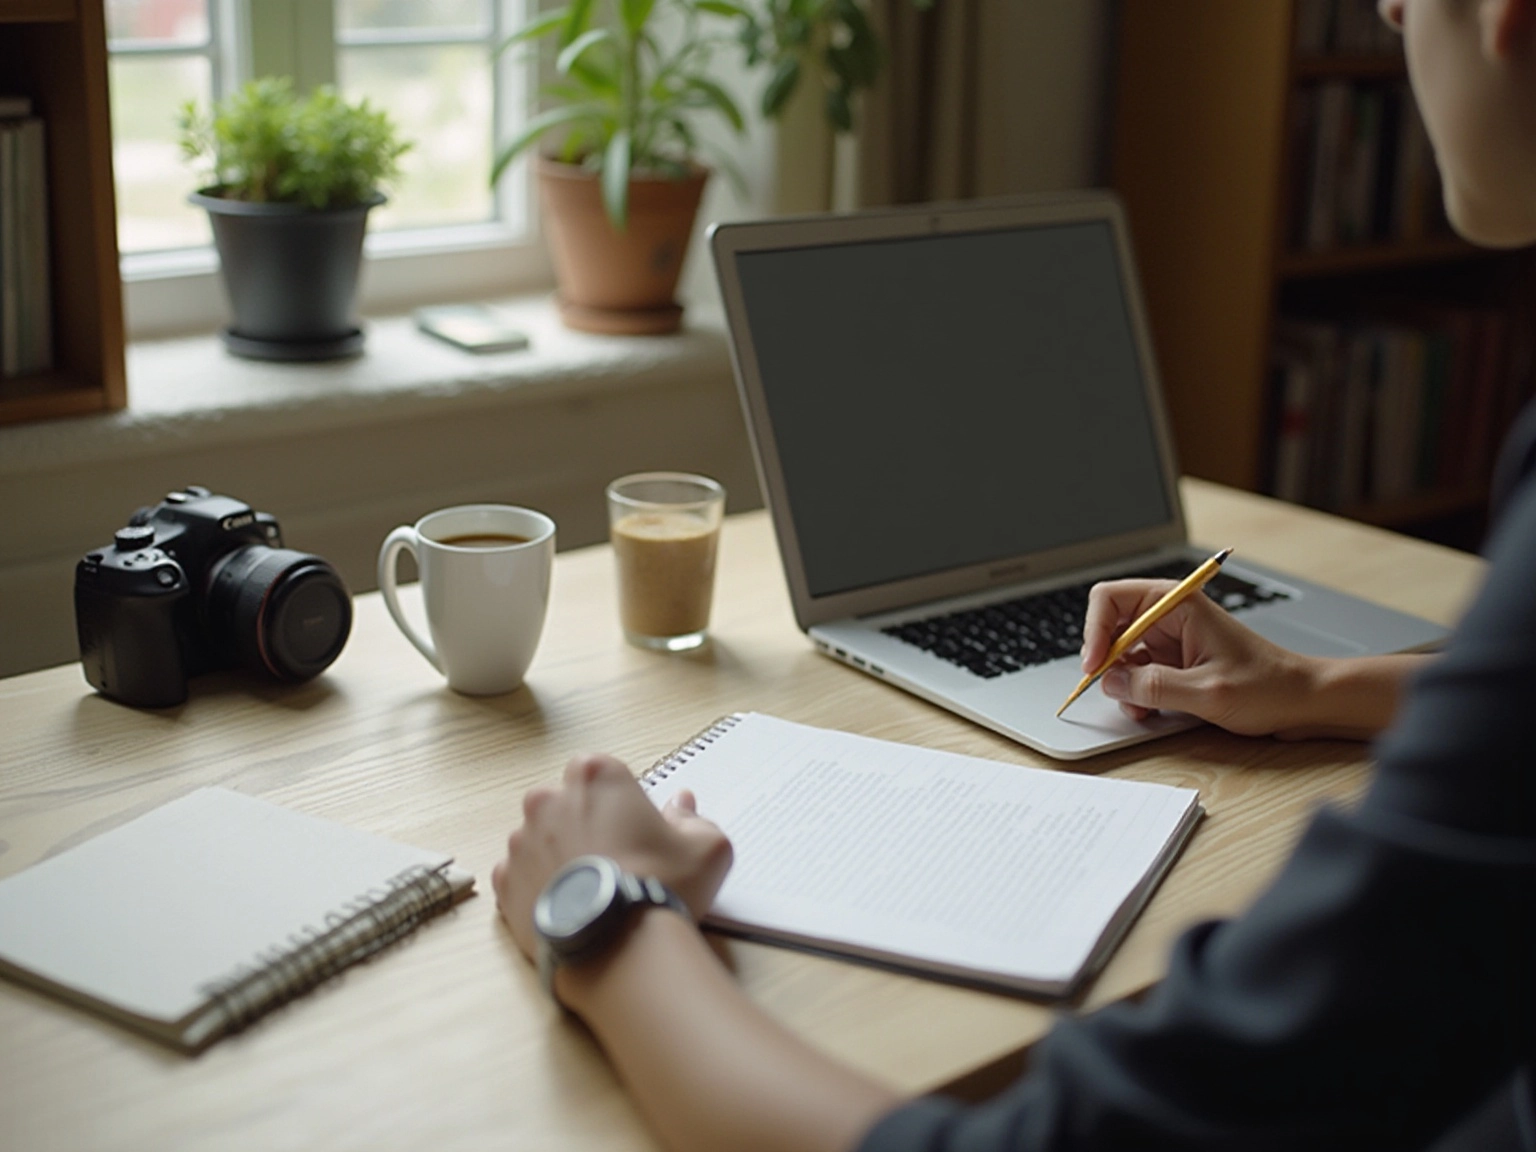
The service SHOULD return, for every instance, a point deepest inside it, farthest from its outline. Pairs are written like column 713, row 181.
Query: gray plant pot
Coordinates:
column 291, row 276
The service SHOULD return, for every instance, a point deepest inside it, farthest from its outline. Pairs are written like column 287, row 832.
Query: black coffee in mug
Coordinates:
column 483, row 540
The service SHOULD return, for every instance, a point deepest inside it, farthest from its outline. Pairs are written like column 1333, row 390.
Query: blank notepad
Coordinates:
column 976, row 870
column 199, row 916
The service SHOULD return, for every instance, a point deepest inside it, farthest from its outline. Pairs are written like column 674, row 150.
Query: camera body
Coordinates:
column 201, row 582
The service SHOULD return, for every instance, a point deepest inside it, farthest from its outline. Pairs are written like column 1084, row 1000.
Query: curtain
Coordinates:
column 977, row 98
column 921, row 130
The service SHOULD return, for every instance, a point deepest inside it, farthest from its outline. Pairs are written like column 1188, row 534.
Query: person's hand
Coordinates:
column 600, row 809
column 1196, row 659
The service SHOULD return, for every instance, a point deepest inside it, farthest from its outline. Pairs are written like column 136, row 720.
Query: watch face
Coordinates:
column 579, row 905
column 573, row 900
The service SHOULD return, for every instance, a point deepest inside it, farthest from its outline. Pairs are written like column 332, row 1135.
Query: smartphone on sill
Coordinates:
column 472, row 327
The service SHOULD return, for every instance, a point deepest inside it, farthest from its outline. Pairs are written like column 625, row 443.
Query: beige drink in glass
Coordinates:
column 665, row 527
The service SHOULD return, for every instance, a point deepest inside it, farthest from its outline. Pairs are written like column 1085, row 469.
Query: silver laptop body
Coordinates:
column 954, row 407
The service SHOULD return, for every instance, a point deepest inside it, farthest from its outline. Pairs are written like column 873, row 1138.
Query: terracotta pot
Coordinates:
column 610, row 281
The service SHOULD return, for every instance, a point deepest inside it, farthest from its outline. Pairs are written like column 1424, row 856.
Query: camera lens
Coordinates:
column 273, row 608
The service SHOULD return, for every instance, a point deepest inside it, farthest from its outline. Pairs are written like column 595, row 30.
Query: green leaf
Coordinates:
column 780, row 85
column 855, row 68
column 566, row 92
column 718, row 98
column 572, row 51
column 540, row 27
column 536, row 128
column 577, row 17
column 749, row 36
column 635, row 13
column 839, row 111
column 684, row 132
column 616, row 179
column 580, row 142
column 599, row 77
column 264, row 143
column 723, row 8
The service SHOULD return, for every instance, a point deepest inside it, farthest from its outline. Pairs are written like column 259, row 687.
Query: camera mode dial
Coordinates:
column 134, row 537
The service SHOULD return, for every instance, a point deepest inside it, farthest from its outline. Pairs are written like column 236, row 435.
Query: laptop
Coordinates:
column 959, row 428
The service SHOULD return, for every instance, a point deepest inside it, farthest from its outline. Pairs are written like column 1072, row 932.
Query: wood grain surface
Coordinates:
column 446, row 1041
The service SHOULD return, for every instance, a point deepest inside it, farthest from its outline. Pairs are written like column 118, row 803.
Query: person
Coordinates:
column 1377, row 995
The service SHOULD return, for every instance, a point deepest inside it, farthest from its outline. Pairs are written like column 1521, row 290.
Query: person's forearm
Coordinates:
column 709, row 1069
column 1354, row 697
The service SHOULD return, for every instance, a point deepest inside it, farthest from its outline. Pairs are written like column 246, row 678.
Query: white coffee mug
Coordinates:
column 485, row 571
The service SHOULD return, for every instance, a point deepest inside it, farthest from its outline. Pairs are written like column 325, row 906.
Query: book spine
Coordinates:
column 36, row 301
column 10, row 261
column 1329, row 133
column 1354, row 424
column 366, row 926
column 1414, row 159
column 685, row 752
column 1312, row 27
column 1293, row 440
column 1438, row 352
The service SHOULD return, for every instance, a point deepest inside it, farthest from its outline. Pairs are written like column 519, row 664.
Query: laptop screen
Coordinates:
column 942, row 401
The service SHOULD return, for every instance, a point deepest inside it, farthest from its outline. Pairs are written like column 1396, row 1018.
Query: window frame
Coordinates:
column 176, row 292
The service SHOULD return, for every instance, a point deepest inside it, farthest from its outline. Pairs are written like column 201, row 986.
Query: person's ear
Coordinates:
column 1508, row 27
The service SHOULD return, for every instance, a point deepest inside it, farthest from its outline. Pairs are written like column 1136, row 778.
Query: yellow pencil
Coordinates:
column 1186, row 588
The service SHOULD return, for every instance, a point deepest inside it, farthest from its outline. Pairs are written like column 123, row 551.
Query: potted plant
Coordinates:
column 619, row 172
column 292, row 180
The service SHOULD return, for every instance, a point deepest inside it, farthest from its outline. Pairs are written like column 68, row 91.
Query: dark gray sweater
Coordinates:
column 1380, row 993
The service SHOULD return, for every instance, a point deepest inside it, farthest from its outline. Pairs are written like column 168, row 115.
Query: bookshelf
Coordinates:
column 55, row 52
column 1216, row 145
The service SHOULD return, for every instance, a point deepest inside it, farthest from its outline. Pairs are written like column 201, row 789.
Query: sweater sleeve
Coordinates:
column 1377, row 993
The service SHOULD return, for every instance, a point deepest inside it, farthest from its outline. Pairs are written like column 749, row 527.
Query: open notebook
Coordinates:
column 987, row 873
column 196, row 918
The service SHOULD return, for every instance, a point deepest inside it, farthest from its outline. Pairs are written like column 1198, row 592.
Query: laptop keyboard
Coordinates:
column 1046, row 626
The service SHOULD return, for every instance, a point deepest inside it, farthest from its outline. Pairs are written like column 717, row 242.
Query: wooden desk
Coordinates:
column 447, row 1041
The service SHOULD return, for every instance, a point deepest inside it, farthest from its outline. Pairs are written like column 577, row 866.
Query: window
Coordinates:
column 162, row 53
column 430, row 63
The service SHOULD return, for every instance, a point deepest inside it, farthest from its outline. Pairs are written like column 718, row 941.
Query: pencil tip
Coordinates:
column 1221, row 557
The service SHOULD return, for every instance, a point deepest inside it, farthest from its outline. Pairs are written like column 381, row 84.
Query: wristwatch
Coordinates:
column 586, row 906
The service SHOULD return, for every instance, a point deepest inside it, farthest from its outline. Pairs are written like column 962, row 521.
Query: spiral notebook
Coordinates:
column 197, row 918
column 976, row 871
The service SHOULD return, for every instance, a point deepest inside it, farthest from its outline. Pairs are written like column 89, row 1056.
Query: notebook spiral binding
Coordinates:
column 675, row 759
column 363, row 927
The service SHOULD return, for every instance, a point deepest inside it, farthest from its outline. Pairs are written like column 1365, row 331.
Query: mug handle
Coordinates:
column 402, row 539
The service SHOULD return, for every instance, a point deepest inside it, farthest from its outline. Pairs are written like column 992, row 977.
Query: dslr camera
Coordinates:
column 198, row 583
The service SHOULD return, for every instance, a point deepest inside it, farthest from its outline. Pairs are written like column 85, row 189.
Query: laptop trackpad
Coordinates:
column 1305, row 640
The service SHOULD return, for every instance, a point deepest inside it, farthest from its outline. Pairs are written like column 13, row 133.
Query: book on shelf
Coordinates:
column 197, row 918
column 1403, row 398
column 978, row 871
column 26, row 309
column 1296, row 375
column 1343, row 28
column 1364, row 172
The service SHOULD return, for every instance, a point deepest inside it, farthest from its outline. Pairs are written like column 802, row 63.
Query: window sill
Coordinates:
column 186, row 388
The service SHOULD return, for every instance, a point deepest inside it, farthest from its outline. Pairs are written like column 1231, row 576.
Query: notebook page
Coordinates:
column 953, row 860
column 143, row 916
